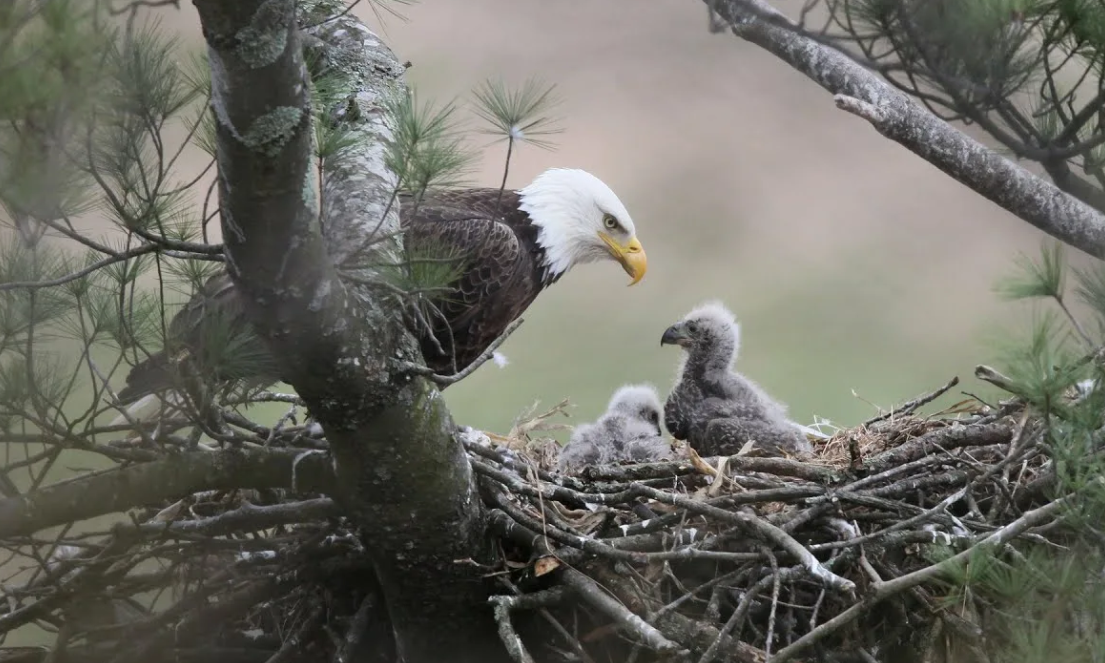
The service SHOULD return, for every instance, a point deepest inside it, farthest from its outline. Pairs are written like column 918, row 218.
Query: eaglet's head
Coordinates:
column 581, row 220
column 709, row 331
column 637, row 401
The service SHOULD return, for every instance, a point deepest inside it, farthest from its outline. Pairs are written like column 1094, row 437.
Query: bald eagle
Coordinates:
column 511, row 245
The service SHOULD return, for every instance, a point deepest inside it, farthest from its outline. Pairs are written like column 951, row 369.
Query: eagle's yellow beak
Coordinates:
column 631, row 256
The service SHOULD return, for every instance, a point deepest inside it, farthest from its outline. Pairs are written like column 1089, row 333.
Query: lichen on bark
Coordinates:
column 266, row 36
column 401, row 474
column 273, row 130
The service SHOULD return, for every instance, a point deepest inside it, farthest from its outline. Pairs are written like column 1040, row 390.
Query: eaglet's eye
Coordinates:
column 609, row 221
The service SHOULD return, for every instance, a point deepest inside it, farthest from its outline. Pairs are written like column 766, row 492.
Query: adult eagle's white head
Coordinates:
column 580, row 220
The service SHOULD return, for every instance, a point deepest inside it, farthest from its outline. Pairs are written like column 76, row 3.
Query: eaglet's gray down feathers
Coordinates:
column 715, row 409
column 629, row 431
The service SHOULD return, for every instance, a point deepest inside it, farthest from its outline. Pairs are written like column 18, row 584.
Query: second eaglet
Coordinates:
column 715, row 409
column 629, row 431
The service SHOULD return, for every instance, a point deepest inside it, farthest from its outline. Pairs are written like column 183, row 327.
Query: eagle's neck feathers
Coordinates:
column 715, row 357
column 559, row 229
column 563, row 204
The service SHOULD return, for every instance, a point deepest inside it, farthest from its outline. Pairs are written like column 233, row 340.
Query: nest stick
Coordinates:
column 511, row 640
column 994, row 377
column 910, row 406
column 889, row 588
column 589, row 590
column 761, row 527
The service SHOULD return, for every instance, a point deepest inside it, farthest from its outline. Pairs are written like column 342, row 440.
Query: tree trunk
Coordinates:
column 401, row 474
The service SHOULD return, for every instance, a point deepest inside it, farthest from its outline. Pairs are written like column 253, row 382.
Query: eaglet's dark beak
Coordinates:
column 674, row 335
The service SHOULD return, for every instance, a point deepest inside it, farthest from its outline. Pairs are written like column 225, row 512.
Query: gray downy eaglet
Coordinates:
column 712, row 407
column 629, row 431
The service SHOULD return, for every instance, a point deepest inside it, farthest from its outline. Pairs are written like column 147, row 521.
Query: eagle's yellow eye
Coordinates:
column 609, row 221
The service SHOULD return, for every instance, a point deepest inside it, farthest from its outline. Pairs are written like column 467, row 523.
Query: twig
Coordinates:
column 248, row 517
column 774, row 605
column 761, row 527
column 860, row 108
column 952, row 437
column 446, row 380
column 897, row 527
column 589, row 590
column 709, row 584
column 293, row 646
column 910, row 406
column 535, row 601
column 350, row 648
column 987, row 374
column 563, row 537
column 735, row 464
column 511, row 640
column 745, row 605
column 135, row 4
column 100, row 264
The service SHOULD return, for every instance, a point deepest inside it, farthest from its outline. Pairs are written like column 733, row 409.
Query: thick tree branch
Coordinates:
column 151, row 483
column 401, row 474
column 274, row 252
column 899, row 118
column 1060, row 172
column 940, row 441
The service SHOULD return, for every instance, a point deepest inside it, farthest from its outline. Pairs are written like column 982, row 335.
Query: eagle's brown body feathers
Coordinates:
column 503, row 272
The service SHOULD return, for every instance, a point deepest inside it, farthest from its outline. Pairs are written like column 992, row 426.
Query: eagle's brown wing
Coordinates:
column 499, row 275
column 500, row 279
column 212, row 317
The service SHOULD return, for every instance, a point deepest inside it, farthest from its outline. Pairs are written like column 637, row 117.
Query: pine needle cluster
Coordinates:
column 1030, row 73
column 89, row 107
column 1050, row 602
column 431, row 151
column 87, row 132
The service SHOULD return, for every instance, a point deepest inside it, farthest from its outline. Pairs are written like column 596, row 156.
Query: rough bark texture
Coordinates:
column 401, row 474
column 149, row 483
column 899, row 118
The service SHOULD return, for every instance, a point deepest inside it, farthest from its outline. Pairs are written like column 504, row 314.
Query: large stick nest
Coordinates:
column 739, row 558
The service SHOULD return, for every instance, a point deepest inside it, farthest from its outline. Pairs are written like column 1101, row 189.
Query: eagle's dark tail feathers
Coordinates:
column 146, row 377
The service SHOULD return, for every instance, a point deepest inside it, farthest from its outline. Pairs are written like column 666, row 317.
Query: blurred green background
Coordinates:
column 862, row 276
column 860, row 273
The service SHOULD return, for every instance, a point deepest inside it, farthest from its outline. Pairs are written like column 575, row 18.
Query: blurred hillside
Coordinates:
column 852, row 264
